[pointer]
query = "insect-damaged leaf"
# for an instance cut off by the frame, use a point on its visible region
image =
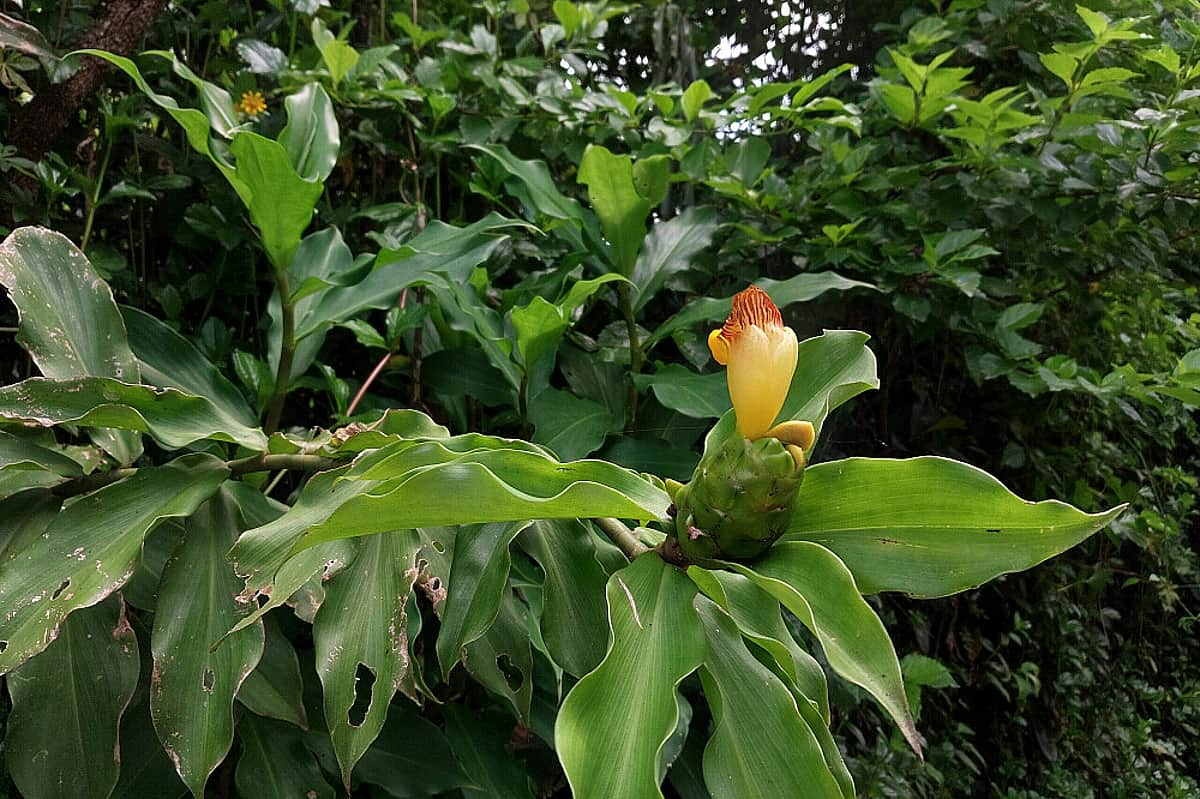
(361, 639)
(90, 548)
(193, 686)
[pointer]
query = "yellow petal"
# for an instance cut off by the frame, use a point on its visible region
(760, 369)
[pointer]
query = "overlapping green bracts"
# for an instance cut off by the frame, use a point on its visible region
(740, 498)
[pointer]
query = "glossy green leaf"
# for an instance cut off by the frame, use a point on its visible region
(694, 97)
(801, 288)
(321, 259)
(622, 211)
(90, 548)
(145, 768)
(20, 453)
(504, 484)
(574, 624)
(812, 583)
(67, 705)
(411, 757)
(280, 202)
(757, 615)
(439, 249)
(174, 418)
(260, 552)
(168, 360)
(700, 396)
(572, 427)
(931, 526)
(274, 761)
(539, 193)
(476, 585)
(274, 689)
(761, 746)
(310, 137)
(616, 719)
(361, 639)
(482, 744)
(69, 322)
(24, 517)
(670, 248)
(831, 369)
(193, 688)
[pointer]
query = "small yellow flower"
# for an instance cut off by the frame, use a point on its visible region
(760, 354)
(251, 104)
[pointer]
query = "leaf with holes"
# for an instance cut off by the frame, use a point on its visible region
(90, 549)
(574, 624)
(614, 723)
(476, 585)
(69, 322)
(361, 639)
(501, 659)
(193, 686)
(67, 705)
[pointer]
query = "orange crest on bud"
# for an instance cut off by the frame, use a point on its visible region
(750, 307)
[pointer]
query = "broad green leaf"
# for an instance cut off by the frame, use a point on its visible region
(573, 623)
(572, 427)
(747, 158)
(274, 761)
(694, 98)
(931, 526)
(280, 202)
(339, 57)
(69, 322)
(539, 326)
(145, 768)
(831, 369)
(310, 137)
(361, 639)
(260, 552)
(761, 746)
(481, 743)
(622, 211)
(501, 659)
(20, 453)
(439, 249)
(758, 618)
(24, 517)
(90, 548)
(67, 705)
(196, 125)
(193, 688)
(411, 757)
(801, 288)
(670, 248)
(168, 360)
(652, 177)
(323, 259)
(539, 193)
(504, 485)
(174, 418)
(476, 585)
(615, 721)
(812, 583)
(700, 396)
(274, 689)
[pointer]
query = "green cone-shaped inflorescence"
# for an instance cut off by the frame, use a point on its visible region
(740, 498)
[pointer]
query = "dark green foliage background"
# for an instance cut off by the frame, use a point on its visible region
(1037, 297)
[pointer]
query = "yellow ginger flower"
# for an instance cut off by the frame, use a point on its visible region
(251, 104)
(759, 352)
